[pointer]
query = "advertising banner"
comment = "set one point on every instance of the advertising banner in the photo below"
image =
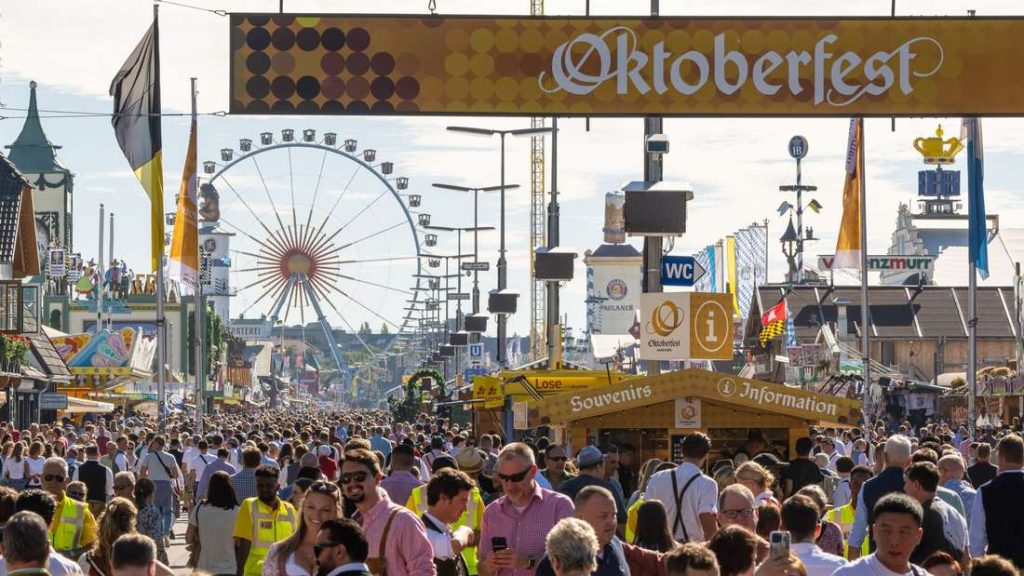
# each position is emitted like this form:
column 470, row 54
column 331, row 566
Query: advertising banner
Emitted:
column 686, row 326
column 878, row 263
column 614, row 66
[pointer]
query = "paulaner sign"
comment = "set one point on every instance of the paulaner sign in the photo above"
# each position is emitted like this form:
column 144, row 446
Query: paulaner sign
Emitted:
column 358, row 64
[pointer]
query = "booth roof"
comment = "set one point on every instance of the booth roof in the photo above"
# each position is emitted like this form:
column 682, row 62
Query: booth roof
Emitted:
column 715, row 386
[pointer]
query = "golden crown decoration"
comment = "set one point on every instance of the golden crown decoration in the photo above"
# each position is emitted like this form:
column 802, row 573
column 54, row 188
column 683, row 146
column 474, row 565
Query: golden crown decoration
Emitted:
column 938, row 151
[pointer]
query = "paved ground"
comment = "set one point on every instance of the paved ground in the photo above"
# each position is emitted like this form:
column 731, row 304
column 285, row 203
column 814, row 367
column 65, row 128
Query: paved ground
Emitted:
column 177, row 553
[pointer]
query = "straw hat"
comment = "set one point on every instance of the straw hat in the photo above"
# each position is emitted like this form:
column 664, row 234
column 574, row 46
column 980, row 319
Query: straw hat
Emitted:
column 470, row 461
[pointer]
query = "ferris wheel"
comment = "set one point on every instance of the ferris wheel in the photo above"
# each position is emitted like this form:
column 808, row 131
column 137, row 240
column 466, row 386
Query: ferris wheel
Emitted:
column 322, row 230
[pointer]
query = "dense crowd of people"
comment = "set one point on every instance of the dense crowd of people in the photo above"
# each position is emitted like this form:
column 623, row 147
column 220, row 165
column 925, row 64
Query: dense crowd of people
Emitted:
column 353, row 492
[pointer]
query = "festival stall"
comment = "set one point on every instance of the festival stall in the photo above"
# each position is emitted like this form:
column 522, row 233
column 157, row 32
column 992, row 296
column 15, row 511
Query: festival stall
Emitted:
column 489, row 392
column 106, row 366
column 655, row 412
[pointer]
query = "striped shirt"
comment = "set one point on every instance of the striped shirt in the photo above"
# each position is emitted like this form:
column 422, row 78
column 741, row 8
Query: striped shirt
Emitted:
column 526, row 531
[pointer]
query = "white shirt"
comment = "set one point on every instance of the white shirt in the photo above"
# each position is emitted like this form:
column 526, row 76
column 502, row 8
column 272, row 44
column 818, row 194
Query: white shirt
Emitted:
column 816, row 562
column 440, row 542
column 197, row 464
column 57, row 565
column 700, row 498
column 870, row 566
column 156, row 471
column 14, row 469
column 187, row 456
column 841, row 495
column 120, row 462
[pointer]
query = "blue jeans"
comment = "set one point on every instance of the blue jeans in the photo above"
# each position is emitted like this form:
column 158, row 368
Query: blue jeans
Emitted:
column 169, row 517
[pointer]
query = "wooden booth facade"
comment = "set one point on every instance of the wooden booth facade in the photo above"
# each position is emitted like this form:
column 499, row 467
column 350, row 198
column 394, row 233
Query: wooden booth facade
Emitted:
column 654, row 413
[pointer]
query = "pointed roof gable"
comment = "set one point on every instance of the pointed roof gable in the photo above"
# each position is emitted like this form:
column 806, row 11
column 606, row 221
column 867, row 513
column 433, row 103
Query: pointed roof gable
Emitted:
column 32, row 151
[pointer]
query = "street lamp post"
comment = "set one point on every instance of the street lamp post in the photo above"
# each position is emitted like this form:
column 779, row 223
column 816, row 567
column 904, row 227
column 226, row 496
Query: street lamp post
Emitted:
column 476, row 229
column 502, row 262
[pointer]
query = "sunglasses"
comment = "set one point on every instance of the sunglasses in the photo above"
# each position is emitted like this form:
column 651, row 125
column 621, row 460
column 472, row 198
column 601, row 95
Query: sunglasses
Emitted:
column 318, row 548
column 54, row 478
column 122, row 486
column 558, row 458
column 517, row 477
column 76, row 495
column 353, row 476
column 738, row 513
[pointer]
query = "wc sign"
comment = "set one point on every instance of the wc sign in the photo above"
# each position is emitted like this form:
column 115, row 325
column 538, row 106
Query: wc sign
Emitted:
column 680, row 271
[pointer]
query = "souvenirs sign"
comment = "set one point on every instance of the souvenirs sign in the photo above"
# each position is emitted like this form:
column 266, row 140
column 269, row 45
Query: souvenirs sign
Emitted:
column 693, row 383
column 613, row 66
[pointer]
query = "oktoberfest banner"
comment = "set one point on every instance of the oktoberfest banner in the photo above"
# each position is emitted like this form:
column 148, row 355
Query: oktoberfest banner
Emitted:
column 394, row 64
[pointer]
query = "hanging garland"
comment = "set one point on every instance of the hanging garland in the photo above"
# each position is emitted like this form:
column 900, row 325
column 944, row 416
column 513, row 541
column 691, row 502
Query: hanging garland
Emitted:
column 407, row 409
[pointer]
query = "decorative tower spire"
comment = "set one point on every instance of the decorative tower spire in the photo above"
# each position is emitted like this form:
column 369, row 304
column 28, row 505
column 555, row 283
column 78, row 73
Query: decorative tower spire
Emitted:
column 32, row 152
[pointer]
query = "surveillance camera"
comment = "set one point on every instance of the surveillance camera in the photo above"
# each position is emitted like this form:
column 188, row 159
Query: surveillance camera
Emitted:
column 657, row 144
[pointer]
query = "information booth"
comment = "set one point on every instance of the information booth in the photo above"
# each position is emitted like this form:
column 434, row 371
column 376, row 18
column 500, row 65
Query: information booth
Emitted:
column 654, row 413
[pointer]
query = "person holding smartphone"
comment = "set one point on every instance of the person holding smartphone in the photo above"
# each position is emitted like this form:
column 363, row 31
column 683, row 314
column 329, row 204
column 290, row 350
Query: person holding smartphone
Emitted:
column 515, row 526
column 800, row 518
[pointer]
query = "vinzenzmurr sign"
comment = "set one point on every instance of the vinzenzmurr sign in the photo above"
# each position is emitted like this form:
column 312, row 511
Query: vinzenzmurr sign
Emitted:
column 395, row 64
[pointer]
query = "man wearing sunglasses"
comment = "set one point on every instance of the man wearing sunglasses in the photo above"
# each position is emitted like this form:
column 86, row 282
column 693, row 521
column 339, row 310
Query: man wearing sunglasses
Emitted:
column 341, row 549
column 554, row 472
column 519, row 521
column 74, row 528
column 397, row 538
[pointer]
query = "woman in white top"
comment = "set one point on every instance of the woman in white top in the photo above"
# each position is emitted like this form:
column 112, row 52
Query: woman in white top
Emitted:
column 14, row 468
column 34, row 465
column 294, row 556
column 211, row 525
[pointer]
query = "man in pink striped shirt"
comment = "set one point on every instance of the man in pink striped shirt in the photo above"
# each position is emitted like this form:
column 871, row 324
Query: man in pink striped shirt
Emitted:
column 388, row 525
column 521, row 519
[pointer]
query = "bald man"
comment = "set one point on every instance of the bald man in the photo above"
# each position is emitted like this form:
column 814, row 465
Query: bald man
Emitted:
column 951, row 475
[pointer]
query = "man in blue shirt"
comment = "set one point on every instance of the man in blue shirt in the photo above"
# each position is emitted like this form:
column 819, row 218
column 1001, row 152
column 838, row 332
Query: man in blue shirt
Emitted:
column 379, row 443
column 952, row 469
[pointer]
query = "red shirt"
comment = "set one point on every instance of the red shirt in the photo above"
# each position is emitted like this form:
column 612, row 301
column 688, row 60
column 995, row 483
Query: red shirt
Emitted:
column 329, row 467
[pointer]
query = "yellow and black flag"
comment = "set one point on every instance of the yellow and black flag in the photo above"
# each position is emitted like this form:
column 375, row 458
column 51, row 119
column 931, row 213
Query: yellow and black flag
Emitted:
column 136, row 92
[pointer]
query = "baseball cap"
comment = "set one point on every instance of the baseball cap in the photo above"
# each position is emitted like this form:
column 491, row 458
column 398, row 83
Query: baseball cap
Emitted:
column 589, row 456
column 442, row 462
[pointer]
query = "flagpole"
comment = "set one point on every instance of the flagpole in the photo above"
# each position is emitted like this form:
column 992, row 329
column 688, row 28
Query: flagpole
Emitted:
column 974, row 248
column 161, row 320
column 972, row 343
column 864, row 329
column 200, row 359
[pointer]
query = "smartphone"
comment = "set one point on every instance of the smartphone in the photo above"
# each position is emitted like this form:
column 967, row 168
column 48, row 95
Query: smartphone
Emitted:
column 498, row 543
column 779, row 542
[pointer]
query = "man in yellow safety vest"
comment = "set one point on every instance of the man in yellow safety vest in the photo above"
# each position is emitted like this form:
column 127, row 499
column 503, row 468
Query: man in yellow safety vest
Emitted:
column 74, row 528
column 844, row 515
column 474, row 463
column 262, row 521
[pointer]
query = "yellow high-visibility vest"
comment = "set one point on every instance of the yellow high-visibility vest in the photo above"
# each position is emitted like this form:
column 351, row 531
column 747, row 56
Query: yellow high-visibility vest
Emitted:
column 631, row 515
column 268, row 526
column 472, row 517
column 843, row 517
column 68, row 524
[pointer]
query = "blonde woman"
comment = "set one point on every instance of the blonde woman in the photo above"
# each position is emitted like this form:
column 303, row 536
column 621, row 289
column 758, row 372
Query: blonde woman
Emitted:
column 294, row 556
column 646, row 471
column 14, row 468
column 759, row 480
column 117, row 520
column 34, row 465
